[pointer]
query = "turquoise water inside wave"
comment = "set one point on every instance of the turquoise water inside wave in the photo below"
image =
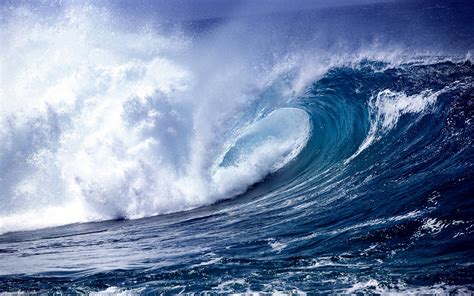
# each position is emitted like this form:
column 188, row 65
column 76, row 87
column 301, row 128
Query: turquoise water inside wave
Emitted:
column 152, row 167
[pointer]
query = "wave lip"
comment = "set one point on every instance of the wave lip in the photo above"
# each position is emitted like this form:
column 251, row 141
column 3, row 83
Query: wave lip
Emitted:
column 386, row 108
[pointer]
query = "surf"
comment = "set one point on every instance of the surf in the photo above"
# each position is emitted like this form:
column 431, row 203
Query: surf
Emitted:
column 271, row 148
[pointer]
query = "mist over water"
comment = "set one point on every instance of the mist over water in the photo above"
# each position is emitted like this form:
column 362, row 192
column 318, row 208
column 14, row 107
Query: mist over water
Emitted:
column 343, row 128
column 111, row 124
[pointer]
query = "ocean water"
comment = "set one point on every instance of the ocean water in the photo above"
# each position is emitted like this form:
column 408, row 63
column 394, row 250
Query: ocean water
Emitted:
column 229, row 147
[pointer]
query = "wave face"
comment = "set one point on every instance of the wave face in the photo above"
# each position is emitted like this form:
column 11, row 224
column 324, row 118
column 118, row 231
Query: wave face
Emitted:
column 265, row 161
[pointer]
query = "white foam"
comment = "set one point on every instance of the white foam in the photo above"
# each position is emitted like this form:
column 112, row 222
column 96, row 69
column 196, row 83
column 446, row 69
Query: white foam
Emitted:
column 373, row 286
column 118, row 291
column 104, row 124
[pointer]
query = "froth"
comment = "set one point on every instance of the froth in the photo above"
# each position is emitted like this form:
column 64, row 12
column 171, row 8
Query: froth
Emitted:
column 105, row 123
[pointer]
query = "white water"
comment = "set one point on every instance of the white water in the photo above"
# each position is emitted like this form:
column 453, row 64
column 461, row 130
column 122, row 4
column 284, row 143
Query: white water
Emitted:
column 98, row 124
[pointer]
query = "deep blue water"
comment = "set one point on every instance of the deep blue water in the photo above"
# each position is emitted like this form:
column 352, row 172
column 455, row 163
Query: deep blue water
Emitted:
column 188, row 165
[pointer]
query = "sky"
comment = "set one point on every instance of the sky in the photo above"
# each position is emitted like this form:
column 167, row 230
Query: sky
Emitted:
column 191, row 9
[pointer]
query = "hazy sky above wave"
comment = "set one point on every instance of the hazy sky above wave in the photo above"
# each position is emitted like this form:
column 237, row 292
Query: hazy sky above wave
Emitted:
column 190, row 9
column 197, row 9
